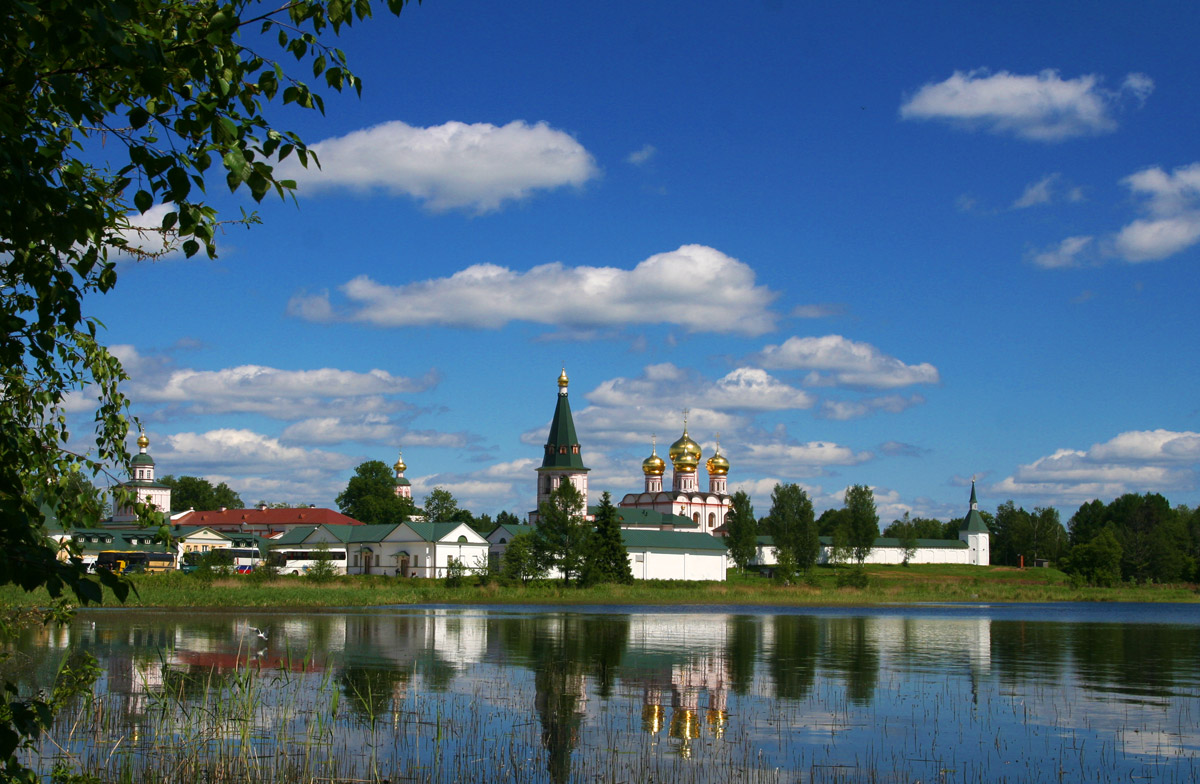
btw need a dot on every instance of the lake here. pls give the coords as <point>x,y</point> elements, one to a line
<point>1095,692</point>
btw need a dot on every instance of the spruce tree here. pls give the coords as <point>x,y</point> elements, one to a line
<point>606,559</point>
<point>561,534</point>
<point>741,530</point>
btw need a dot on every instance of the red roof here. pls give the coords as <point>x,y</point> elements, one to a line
<point>264,518</point>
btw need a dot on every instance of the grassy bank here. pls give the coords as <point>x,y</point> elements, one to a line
<point>885,585</point>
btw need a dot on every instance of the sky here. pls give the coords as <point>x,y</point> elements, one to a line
<point>900,245</point>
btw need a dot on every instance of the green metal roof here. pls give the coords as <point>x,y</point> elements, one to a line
<point>672,540</point>
<point>882,541</point>
<point>294,536</point>
<point>651,517</point>
<point>515,529</point>
<point>973,523</point>
<point>357,534</point>
<point>142,459</point>
<point>562,445</point>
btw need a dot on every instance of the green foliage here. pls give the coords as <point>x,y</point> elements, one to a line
<point>925,527</point>
<point>442,507</point>
<point>741,530</point>
<point>905,530</point>
<point>323,569</point>
<point>1097,561</point>
<point>855,577</point>
<point>456,572</point>
<point>520,561</point>
<point>606,560</point>
<point>561,533</point>
<point>1033,535</point>
<point>507,518</point>
<point>791,524</point>
<point>861,525</point>
<point>370,496</point>
<point>193,492</point>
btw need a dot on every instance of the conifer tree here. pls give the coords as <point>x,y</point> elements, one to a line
<point>606,560</point>
<point>741,530</point>
<point>561,533</point>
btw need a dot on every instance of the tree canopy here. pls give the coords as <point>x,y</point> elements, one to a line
<point>861,521</point>
<point>442,507</point>
<point>107,109</point>
<point>561,533</point>
<point>370,496</point>
<point>605,558</point>
<point>792,526</point>
<point>194,492</point>
<point>741,530</point>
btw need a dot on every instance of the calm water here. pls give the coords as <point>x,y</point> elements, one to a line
<point>934,693</point>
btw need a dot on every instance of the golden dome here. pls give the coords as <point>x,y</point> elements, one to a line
<point>685,453</point>
<point>717,464</point>
<point>399,467</point>
<point>654,465</point>
<point>142,441</point>
<point>562,379</point>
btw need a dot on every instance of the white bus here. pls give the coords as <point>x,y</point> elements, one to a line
<point>300,561</point>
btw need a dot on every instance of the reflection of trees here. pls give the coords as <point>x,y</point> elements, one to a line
<point>741,647</point>
<point>370,690</point>
<point>1028,650</point>
<point>1143,659</point>
<point>794,663</point>
<point>849,652</point>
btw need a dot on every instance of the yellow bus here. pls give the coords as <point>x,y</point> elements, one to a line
<point>124,561</point>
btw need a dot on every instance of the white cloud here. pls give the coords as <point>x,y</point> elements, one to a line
<point>1046,190</point>
<point>827,310</point>
<point>695,287</point>
<point>144,235</point>
<point>743,389</point>
<point>810,459</point>
<point>282,394</point>
<point>1064,254</point>
<point>638,157</point>
<point>847,409</point>
<point>477,166</point>
<point>1173,203</point>
<point>1134,461</point>
<point>848,362</point>
<point>372,428</point>
<point>228,448</point>
<point>1041,107</point>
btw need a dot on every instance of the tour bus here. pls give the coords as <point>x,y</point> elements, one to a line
<point>123,561</point>
<point>300,561</point>
<point>245,559</point>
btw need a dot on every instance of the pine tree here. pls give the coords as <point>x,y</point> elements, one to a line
<point>741,530</point>
<point>561,534</point>
<point>606,559</point>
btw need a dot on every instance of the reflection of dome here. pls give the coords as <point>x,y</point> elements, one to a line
<point>654,465</point>
<point>716,721</point>
<point>685,453</point>
<point>652,718</point>
<point>717,464</point>
<point>685,724</point>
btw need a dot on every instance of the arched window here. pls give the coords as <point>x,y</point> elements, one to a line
<point>712,518</point>
<point>695,517</point>
<point>462,540</point>
<point>503,540</point>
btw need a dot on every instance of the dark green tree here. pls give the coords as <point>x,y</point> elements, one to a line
<point>442,507</point>
<point>1097,561</point>
<point>193,492</point>
<point>905,529</point>
<point>741,530</point>
<point>606,559</point>
<point>561,533</point>
<point>1088,521</point>
<point>507,518</point>
<point>108,108</point>
<point>520,561</point>
<point>830,521</point>
<point>370,496</point>
<point>862,522</point>
<point>792,526</point>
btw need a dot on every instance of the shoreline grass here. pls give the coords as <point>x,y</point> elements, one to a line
<point>886,585</point>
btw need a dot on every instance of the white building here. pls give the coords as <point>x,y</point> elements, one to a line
<point>141,485</point>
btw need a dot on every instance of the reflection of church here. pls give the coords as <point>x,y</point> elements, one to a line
<point>706,509</point>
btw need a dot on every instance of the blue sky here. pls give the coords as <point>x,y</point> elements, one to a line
<point>890,244</point>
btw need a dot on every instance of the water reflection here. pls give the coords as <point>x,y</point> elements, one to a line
<point>560,695</point>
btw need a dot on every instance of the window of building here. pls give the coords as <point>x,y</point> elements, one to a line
<point>462,539</point>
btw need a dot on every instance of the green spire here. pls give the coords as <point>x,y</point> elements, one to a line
<point>562,445</point>
<point>973,523</point>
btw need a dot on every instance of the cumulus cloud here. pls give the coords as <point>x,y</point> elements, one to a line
<point>1172,202</point>
<point>227,448</point>
<point>743,389</point>
<point>1040,107</point>
<point>1068,253</point>
<point>372,428</point>
<point>808,459</point>
<point>856,409</point>
<point>477,166</point>
<point>282,394</point>
<point>144,235</point>
<point>837,360</point>
<point>695,287</point>
<point>1134,461</point>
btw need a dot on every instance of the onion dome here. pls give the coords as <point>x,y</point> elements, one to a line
<point>399,467</point>
<point>142,441</point>
<point>717,464</point>
<point>562,380</point>
<point>685,453</point>
<point>654,465</point>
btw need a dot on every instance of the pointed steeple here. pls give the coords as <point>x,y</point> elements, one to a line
<point>562,445</point>
<point>973,522</point>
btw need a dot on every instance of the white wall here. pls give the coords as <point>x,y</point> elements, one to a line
<point>676,565</point>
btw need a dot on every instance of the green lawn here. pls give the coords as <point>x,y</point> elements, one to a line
<point>886,584</point>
